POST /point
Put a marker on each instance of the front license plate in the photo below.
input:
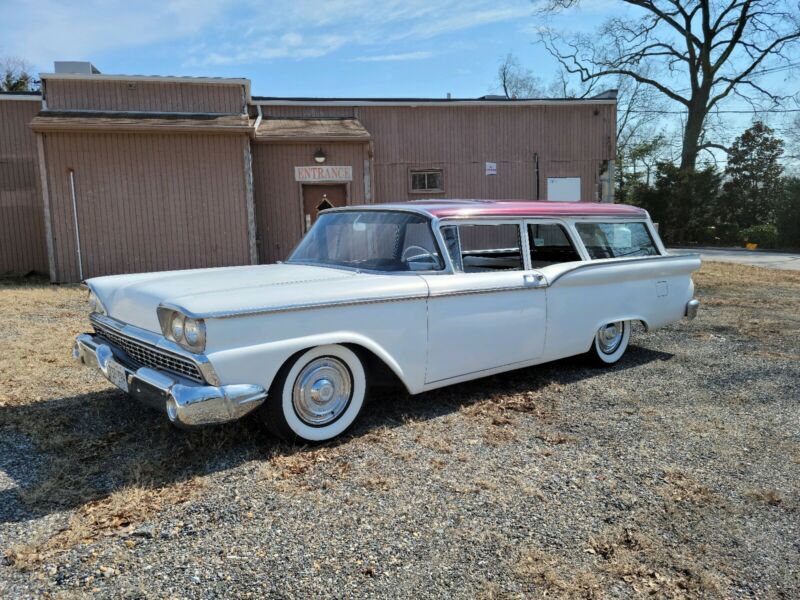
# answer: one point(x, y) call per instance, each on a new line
point(116, 375)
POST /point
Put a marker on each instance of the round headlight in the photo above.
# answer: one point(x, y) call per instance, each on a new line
point(193, 332)
point(176, 327)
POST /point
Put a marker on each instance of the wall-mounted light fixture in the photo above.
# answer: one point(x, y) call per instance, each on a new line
point(319, 156)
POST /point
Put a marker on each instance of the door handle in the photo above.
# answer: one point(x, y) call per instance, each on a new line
point(534, 281)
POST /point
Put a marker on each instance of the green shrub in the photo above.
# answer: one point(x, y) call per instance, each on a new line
point(724, 234)
point(766, 235)
point(788, 214)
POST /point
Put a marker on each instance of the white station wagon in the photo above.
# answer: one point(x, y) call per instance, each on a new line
point(425, 293)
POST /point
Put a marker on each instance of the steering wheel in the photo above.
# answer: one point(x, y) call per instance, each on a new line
point(423, 252)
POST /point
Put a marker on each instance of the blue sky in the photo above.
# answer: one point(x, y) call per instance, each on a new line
point(355, 48)
point(297, 48)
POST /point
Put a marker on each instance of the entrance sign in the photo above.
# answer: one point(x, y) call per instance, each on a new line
point(325, 173)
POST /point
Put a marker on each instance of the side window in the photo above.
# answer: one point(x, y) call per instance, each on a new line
point(550, 245)
point(615, 240)
point(484, 248)
point(418, 250)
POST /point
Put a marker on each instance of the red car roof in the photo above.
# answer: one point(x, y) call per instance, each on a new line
point(518, 208)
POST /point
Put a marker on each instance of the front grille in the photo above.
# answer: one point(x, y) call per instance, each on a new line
point(146, 355)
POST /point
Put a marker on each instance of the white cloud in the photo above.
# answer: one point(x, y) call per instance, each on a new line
point(50, 30)
point(231, 32)
point(419, 55)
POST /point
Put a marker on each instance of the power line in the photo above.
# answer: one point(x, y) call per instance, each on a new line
point(719, 112)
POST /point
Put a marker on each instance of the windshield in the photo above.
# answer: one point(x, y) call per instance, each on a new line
point(372, 240)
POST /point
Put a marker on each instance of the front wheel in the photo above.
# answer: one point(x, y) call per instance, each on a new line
point(317, 396)
point(610, 342)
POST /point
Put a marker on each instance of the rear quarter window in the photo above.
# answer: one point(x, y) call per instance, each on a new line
point(616, 240)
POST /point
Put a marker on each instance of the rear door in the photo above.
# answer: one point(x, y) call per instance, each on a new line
point(490, 313)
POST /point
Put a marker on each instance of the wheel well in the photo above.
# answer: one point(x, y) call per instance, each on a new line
point(378, 372)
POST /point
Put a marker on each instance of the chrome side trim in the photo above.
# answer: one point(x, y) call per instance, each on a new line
point(246, 312)
point(492, 290)
point(158, 342)
point(617, 261)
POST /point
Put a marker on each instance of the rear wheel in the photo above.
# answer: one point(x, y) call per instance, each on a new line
point(610, 342)
point(317, 396)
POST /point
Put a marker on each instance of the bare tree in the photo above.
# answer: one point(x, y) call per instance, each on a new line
point(16, 75)
point(694, 52)
point(516, 81)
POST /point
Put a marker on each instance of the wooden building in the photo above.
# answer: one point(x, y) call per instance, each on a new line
point(112, 174)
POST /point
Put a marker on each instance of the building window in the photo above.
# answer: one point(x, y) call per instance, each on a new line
point(427, 181)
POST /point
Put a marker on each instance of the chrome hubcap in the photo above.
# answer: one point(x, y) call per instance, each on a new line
point(322, 391)
point(609, 337)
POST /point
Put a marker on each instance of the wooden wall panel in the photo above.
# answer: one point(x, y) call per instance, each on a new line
point(147, 202)
point(278, 197)
point(308, 112)
point(143, 96)
point(569, 140)
point(22, 241)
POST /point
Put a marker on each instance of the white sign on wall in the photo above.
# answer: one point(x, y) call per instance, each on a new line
point(564, 189)
point(491, 168)
point(323, 173)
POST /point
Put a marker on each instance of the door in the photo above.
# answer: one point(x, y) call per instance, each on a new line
point(490, 314)
point(317, 198)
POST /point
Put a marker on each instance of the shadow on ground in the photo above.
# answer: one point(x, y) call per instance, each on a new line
point(64, 453)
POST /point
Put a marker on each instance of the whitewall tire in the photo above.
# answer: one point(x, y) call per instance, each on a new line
point(610, 342)
point(316, 396)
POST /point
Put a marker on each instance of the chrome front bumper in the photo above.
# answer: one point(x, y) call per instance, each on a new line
point(692, 306)
point(186, 403)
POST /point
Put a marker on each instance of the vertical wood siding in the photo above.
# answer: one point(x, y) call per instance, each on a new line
point(278, 197)
point(147, 202)
point(22, 241)
point(570, 141)
point(309, 112)
point(143, 96)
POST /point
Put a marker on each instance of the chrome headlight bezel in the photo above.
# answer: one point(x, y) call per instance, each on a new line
point(95, 305)
point(166, 317)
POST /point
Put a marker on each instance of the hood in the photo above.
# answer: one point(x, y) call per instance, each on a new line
point(134, 298)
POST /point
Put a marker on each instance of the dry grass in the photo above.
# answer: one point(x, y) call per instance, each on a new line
point(766, 302)
point(112, 471)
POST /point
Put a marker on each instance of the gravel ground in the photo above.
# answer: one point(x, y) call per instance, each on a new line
point(673, 474)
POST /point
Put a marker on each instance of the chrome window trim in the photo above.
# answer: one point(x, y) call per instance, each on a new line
point(486, 221)
point(159, 343)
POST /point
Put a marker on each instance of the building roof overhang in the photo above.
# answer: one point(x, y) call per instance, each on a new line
point(441, 102)
point(29, 96)
point(140, 122)
point(311, 130)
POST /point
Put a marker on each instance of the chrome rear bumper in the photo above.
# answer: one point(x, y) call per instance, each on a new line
point(692, 306)
point(186, 403)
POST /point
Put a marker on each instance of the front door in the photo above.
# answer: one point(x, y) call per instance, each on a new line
point(492, 312)
point(317, 198)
